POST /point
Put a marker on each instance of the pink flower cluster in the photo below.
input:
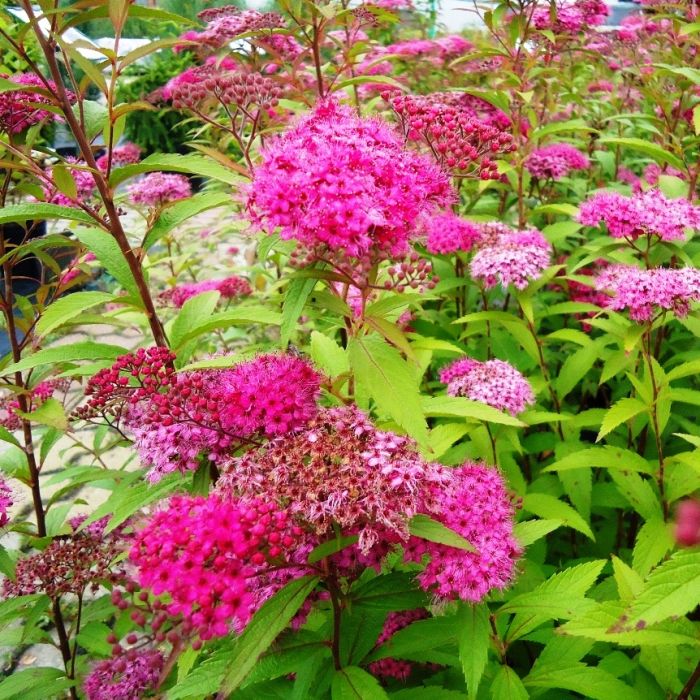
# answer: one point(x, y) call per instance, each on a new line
point(126, 677)
point(6, 501)
point(555, 161)
point(229, 288)
point(643, 214)
point(647, 292)
point(448, 233)
point(340, 469)
point(157, 189)
point(571, 16)
point(475, 505)
point(688, 523)
point(126, 154)
point(83, 179)
point(22, 108)
point(37, 396)
point(443, 48)
point(493, 382)
point(511, 257)
point(202, 553)
point(461, 141)
point(344, 186)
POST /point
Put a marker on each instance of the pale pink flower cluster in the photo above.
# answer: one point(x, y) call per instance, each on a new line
point(228, 287)
point(345, 186)
point(644, 213)
point(203, 554)
point(6, 501)
point(647, 292)
point(511, 257)
point(340, 469)
point(394, 4)
point(84, 185)
point(555, 161)
point(494, 382)
point(157, 189)
point(127, 677)
point(448, 233)
point(126, 154)
point(22, 108)
point(476, 505)
point(571, 16)
point(444, 48)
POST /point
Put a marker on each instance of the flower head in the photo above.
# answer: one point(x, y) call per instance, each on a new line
point(644, 213)
point(646, 292)
point(555, 161)
point(157, 189)
point(83, 179)
point(571, 16)
point(126, 154)
point(6, 501)
point(229, 288)
point(688, 522)
point(127, 677)
point(448, 233)
point(476, 505)
point(344, 187)
point(493, 382)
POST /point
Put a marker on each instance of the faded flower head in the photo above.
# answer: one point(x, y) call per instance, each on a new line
point(126, 677)
point(340, 470)
point(493, 382)
point(344, 187)
point(511, 257)
point(555, 161)
point(644, 213)
point(647, 292)
point(157, 189)
point(476, 505)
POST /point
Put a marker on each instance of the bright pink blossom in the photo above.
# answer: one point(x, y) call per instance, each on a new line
point(203, 554)
point(229, 288)
point(555, 161)
point(126, 154)
point(688, 522)
point(493, 382)
point(644, 213)
point(157, 189)
point(571, 16)
point(22, 108)
point(126, 677)
point(448, 233)
point(647, 292)
point(476, 505)
point(84, 180)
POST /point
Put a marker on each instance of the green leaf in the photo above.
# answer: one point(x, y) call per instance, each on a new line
point(385, 376)
point(506, 685)
point(74, 352)
point(352, 683)
point(199, 307)
point(530, 531)
point(179, 212)
point(629, 582)
point(389, 593)
point(647, 147)
point(458, 407)
point(48, 413)
point(620, 412)
point(654, 540)
point(638, 492)
point(497, 98)
point(589, 681)
point(35, 684)
point(274, 615)
point(243, 315)
point(110, 256)
point(19, 213)
point(606, 456)
point(328, 355)
point(473, 644)
point(325, 549)
point(190, 163)
point(549, 507)
point(67, 308)
point(95, 115)
point(672, 588)
point(410, 642)
point(428, 529)
point(298, 291)
point(575, 367)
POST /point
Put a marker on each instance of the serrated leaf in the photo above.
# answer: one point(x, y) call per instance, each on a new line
point(638, 492)
point(654, 540)
point(549, 507)
point(272, 617)
point(575, 367)
point(389, 593)
point(325, 549)
point(409, 643)
point(174, 162)
point(506, 685)
point(629, 582)
point(386, 377)
point(457, 407)
point(530, 531)
point(589, 681)
point(19, 213)
point(428, 529)
point(352, 683)
point(473, 644)
point(328, 355)
point(620, 412)
point(649, 148)
point(297, 292)
point(605, 456)
point(35, 684)
point(67, 353)
point(50, 412)
point(67, 308)
point(195, 309)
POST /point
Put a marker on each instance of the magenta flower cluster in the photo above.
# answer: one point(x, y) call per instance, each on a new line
point(83, 179)
point(126, 154)
point(448, 233)
point(646, 293)
point(340, 184)
point(157, 189)
point(510, 257)
point(22, 108)
point(494, 382)
point(6, 501)
point(555, 161)
point(570, 16)
point(228, 287)
point(125, 677)
point(642, 214)
point(202, 553)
